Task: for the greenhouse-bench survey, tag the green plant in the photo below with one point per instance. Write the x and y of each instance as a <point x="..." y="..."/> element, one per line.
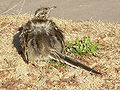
<point x="82" y="47"/>
<point x="57" y="64"/>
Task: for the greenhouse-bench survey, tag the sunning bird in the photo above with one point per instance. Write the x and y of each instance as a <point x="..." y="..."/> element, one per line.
<point x="42" y="40"/>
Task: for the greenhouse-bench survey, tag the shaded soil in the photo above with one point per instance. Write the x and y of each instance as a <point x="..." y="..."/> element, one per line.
<point x="16" y="74"/>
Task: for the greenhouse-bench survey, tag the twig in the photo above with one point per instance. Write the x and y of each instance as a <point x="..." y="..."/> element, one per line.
<point x="7" y="69"/>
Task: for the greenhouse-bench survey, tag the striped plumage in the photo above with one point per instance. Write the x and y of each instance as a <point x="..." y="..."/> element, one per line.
<point x="42" y="40"/>
<point x="39" y="35"/>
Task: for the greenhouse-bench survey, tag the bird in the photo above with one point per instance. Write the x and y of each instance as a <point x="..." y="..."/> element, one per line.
<point x="42" y="40"/>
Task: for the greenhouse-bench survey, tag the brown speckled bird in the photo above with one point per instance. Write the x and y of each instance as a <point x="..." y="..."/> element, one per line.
<point x="42" y="40"/>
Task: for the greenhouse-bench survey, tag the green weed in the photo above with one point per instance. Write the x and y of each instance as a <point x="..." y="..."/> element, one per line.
<point x="82" y="47"/>
<point x="57" y="64"/>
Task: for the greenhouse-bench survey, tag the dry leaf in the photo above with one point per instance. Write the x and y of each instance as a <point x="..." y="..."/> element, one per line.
<point x="110" y="70"/>
<point x="3" y="24"/>
<point x="100" y="41"/>
<point x="75" y="29"/>
<point x="62" y="70"/>
<point x="49" y="82"/>
<point x="28" y="88"/>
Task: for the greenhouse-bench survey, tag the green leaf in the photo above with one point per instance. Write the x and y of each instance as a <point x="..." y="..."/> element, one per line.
<point x="82" y="47"/>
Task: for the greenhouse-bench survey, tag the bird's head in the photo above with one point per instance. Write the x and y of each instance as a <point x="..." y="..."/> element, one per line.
<point x="43" y="12"/>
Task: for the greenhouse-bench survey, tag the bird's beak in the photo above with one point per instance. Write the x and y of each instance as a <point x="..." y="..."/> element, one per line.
<point x="53" y="7"/>
<point x="50" y="8"/>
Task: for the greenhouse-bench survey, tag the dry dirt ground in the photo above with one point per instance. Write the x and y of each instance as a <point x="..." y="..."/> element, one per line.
<point x="15" y="74"/>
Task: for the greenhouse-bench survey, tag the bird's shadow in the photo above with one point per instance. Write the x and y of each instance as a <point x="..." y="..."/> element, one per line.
<point x="17" y="45"/>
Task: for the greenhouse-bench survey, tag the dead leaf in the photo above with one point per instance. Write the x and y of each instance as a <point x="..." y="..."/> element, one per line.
<point x="28" y="88"/>
<point x="110" y="70"/>
<point x="98" y="75"/>
<point x="118" y="88"/>
<point x="3" y="24"/>
<point x="62" y="70"/>
<point x="49" y="82"/>
<point x="100" y="41"/>
<point x="47" y="71"/>
<point x="75" y="29"/>
<point x="11" y="88"/>
<point x="33" y="78"/>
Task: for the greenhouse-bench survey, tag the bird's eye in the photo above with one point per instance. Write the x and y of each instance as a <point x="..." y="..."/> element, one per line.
<point x="44" y="12"/>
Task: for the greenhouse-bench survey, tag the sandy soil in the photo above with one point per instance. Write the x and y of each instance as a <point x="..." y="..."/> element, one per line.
<point x="15" y="74"/>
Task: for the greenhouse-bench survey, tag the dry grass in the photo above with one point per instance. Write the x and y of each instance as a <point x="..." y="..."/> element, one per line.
<point x="16" y="74"/>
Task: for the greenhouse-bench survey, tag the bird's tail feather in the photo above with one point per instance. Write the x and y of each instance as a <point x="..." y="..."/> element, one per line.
<point x="70" y="61"/>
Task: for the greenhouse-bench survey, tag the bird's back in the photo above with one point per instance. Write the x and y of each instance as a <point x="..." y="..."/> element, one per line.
<point x="38" y="37"/>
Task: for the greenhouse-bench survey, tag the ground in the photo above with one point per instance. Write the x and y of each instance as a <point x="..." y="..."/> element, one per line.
<point x="15" y="74"/>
